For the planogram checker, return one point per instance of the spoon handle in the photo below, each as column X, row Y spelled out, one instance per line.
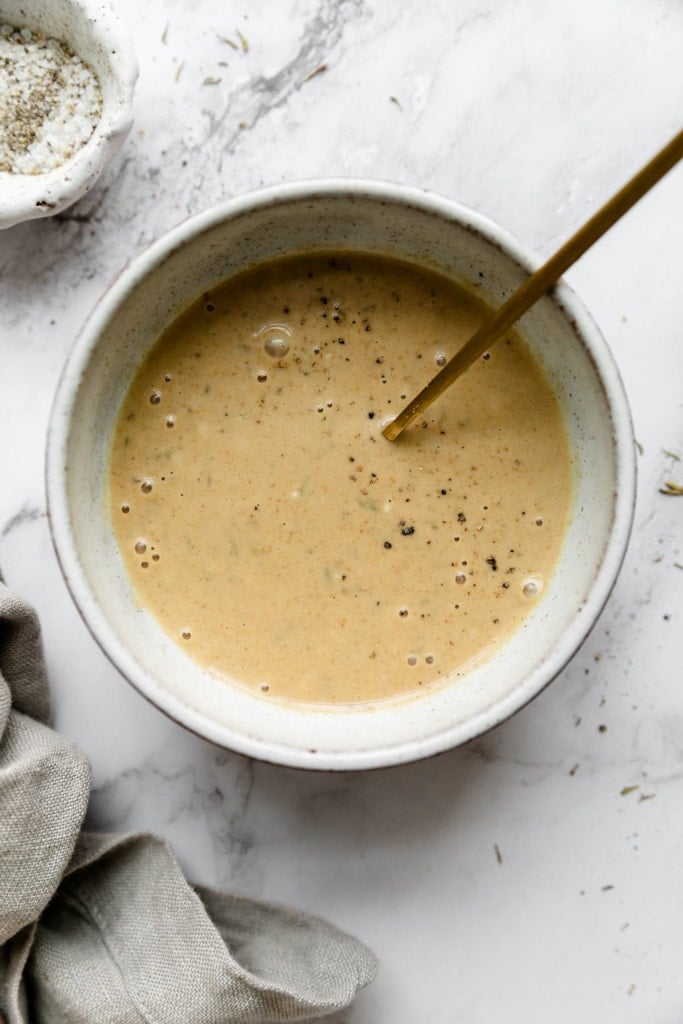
column 539, row 282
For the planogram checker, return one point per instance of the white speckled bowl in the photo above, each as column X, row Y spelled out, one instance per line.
column 334, row 215
column 92, row 30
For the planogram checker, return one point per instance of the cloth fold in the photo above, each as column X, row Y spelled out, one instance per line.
column 97, row 927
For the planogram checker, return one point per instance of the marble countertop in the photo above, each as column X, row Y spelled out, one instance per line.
column 535, row 874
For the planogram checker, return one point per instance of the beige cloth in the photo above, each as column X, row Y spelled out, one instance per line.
column 104, row 929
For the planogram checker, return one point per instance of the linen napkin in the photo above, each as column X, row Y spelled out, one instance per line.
column 99, row 928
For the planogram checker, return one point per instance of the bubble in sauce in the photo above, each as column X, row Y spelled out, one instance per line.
column 538, row 521
column 125, row 508
column 146, row 486
column 141, row 547
column 411, row 659
column 276, row 346
column 460, row 577
column 276, row 339
column 532, row 587
column 186, row 634
column 429, row 658
column 440, row 358
column 261, row 376
column 170, row 421
column 155, row 397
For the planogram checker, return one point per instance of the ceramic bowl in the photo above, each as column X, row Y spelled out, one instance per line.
column 98, row 37
column 337, row 215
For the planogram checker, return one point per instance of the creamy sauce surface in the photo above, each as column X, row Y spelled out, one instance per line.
column 280, row 539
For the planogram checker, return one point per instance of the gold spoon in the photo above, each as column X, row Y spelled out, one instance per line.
column 540, row 281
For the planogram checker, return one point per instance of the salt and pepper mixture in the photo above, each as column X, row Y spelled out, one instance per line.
column 50, row 102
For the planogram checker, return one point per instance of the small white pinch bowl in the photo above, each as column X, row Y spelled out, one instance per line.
column 98, row 36
column 335, row 215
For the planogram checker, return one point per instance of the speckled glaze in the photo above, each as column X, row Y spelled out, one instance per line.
column 93, row 31
column 333, row 215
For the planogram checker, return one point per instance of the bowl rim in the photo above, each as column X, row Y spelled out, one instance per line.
column 197, row 721
column 44, row 195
